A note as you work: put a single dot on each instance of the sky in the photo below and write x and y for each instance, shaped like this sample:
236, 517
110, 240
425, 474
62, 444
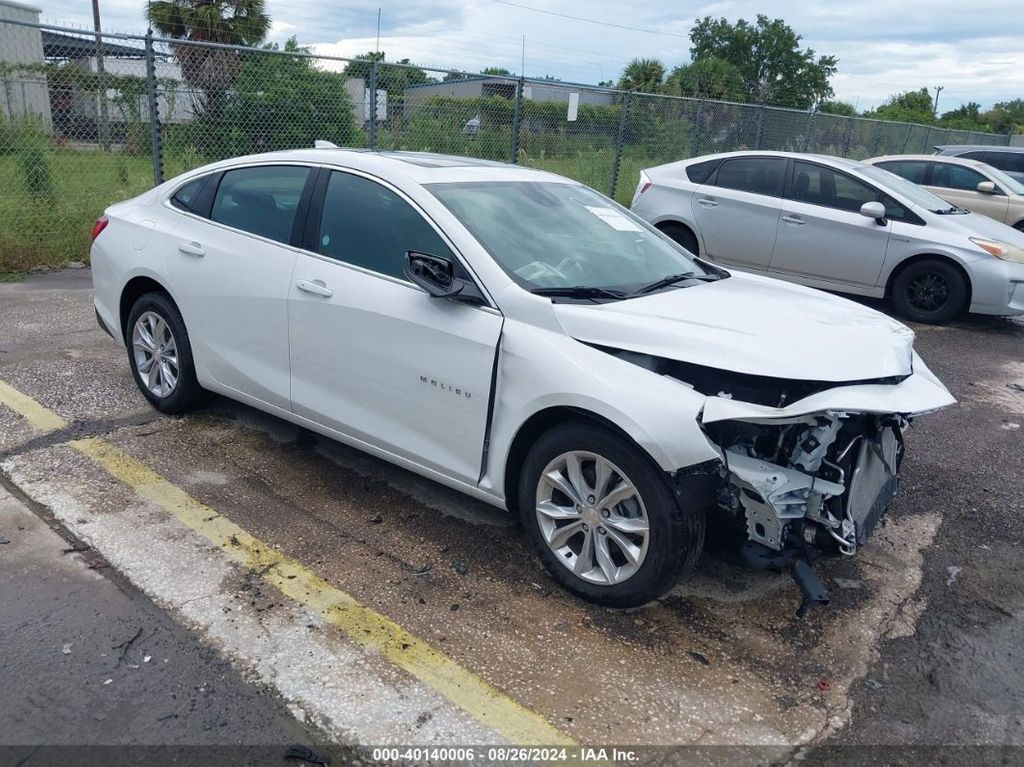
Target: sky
975, 50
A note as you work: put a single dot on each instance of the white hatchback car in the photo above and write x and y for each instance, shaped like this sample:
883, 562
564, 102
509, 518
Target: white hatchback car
841, 225
519, 337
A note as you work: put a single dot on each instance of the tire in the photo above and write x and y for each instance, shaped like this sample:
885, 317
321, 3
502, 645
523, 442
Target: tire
674, 537
683, 236
147, 314
1019, 226
930, 290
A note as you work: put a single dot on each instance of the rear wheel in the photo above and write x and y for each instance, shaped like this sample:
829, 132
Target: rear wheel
683, 235
602, 518
160, 355
929, 290
1019, 226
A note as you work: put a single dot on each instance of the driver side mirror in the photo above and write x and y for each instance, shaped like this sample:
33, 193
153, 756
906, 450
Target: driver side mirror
874, 210
437, 276
986, 187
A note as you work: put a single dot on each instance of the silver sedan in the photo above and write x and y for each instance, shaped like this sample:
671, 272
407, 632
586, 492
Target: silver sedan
838, 225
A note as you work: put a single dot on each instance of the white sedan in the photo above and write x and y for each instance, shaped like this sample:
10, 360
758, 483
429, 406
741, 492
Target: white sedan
521, 338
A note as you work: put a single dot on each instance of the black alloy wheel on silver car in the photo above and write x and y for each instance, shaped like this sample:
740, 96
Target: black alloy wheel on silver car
602, 517
160, 354
929, 290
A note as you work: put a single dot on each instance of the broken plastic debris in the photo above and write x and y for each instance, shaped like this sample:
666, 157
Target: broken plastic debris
67, 648
4, 539
147, 659
108, 681
951, 573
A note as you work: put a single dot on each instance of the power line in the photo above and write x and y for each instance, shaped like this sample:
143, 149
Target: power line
590, 21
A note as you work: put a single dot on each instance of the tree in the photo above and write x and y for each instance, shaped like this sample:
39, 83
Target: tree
707, 79
768, 56
496, 72
210, 70
965, 117
1006, 117
643, 75
393, 79
284, 102
908, 106
841, 108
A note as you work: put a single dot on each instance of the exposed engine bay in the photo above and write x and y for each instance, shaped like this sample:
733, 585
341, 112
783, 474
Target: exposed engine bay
810, 487
824, 480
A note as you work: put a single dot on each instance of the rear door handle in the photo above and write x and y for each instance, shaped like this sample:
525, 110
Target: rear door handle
317, 287
707, 203
794, 220
191, 248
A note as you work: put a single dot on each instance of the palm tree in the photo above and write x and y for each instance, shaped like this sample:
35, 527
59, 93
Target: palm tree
210, 72
644, 75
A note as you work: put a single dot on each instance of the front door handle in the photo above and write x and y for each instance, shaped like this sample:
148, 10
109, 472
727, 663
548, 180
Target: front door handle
317, 287
707, 203
191, 248
794, 220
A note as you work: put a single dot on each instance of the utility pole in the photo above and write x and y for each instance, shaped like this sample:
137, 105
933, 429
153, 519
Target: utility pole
103, 122
935, 108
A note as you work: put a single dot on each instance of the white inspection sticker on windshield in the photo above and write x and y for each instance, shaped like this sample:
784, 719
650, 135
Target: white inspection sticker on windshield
614, 219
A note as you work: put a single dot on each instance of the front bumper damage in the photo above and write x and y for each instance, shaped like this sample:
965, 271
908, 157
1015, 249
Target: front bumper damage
812, 480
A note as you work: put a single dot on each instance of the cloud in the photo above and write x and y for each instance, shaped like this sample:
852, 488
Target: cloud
975, 50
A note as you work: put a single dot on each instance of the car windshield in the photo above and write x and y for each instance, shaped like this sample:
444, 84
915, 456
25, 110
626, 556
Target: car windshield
561, 238
908, 189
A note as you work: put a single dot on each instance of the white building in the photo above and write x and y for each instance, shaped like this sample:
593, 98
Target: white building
22, 94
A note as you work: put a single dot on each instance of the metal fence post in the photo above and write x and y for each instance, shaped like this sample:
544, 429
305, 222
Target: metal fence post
906, 139
808, 129
695, 149
620, 140
848, 138
517, 119
759, 131
373, 106
156, 149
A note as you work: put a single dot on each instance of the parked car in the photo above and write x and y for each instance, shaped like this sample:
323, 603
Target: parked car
1009, 159
839, 225
523, 339
969, 184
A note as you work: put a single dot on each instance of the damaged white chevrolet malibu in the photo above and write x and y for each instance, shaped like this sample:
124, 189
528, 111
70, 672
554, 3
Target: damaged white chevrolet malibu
517, 336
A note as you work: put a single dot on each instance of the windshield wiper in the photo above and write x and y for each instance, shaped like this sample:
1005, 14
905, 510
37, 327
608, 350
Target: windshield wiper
672, 279
579, 291
949, 210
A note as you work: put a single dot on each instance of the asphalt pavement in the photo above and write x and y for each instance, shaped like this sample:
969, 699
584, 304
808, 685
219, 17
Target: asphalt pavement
447, 631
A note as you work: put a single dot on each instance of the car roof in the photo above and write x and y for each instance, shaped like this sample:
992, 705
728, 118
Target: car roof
949, 159
420, 167
978, 148
841, 162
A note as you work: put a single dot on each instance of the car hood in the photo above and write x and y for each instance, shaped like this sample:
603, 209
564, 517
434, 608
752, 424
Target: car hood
978, 225
752, 325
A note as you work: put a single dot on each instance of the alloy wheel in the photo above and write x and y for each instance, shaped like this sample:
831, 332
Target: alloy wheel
592, 517
156, 354
928, 292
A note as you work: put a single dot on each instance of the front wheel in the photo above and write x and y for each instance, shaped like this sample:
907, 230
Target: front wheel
929, 290
160, 355
603, 519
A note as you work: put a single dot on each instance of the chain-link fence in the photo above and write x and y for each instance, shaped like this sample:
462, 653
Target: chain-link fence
89, 119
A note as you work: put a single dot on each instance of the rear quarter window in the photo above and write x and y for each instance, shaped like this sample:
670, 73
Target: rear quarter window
700, 172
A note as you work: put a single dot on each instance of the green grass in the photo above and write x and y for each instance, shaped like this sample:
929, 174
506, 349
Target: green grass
12, 276
52, 227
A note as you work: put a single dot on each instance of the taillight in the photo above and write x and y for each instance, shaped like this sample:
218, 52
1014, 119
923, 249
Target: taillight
99, 226
643, 186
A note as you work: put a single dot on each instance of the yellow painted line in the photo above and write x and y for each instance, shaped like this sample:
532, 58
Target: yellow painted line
473, 694
38, 416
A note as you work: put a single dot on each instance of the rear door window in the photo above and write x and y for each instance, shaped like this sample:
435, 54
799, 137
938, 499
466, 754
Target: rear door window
911, 170
701, 171
758, 175
260, 200
187, 196
1011, 162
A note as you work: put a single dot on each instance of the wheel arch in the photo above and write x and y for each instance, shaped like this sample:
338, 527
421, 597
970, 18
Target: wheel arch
134, 289
536, 425
907, 262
